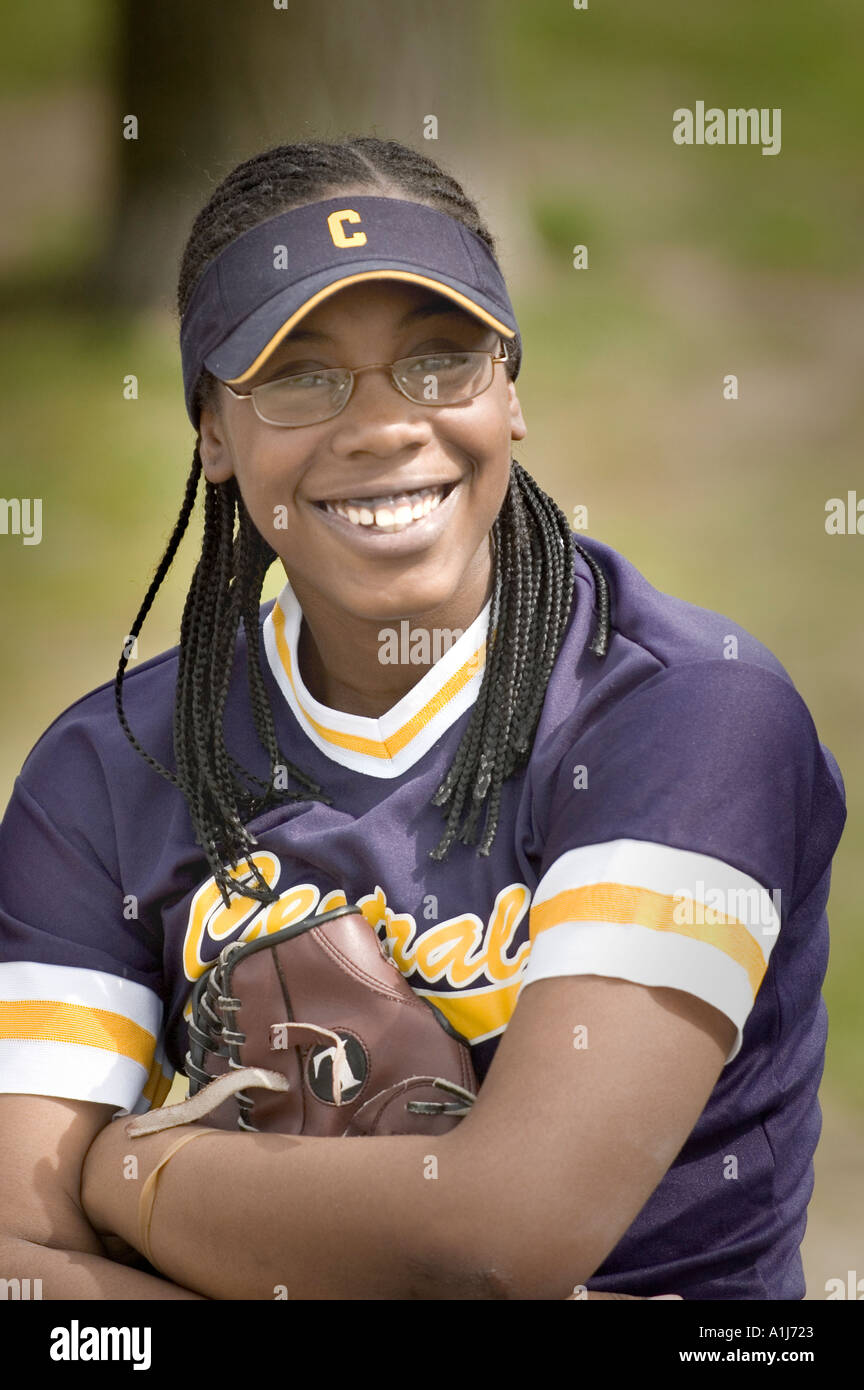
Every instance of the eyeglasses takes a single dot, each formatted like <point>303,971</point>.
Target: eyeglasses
<point>435,379</point>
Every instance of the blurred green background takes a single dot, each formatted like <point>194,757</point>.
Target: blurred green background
<point>703,261</point>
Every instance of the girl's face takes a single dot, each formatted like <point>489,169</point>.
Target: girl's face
<point>380,446</point>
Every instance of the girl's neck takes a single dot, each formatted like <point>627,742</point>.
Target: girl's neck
<point>346,663</point>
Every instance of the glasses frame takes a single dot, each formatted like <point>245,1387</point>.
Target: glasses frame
<point>501,355</point>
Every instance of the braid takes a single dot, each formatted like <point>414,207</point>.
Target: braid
<point>532,588</point>
<point>225,587</point>
<point>534,575</point>
<point>162,570</point>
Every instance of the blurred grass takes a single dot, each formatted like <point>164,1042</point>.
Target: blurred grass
<point>597,89</point>
<point>800,56</point>
<point>65,42</point>
<point>111,474</point>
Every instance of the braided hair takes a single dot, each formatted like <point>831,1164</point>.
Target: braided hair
<point>532,543</point>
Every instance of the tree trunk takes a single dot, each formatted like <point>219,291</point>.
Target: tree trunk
<point>213,81</point>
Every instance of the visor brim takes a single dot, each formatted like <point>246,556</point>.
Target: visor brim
<point>245,351</point>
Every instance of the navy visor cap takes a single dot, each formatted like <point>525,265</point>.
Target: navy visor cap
<point>251,295</point>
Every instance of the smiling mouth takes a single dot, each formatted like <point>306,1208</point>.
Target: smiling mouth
<point>394,511</point>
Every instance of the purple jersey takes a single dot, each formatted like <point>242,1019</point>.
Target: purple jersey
<point>675,826</point>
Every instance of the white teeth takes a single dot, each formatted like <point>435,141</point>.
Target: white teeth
<point>391,513</point>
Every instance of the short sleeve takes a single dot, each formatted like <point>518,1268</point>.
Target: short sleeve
<point>80,979</point>
<point>679,834</point>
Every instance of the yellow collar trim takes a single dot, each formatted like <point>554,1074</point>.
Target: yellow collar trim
<point>458,673</point>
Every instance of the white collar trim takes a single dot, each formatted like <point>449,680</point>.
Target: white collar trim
<point>387,746</point>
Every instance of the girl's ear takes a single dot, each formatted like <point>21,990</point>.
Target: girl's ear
<point>213,446</point>
<point>518,428</point>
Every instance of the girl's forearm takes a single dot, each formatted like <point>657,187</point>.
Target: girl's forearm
<point>80,1275</point>
<point>269,1216</point>
<point>264,1216</point>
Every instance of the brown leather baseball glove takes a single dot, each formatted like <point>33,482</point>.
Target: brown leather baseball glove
<point>320,1021</point>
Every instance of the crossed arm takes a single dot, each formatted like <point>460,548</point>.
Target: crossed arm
<point>523,1200</point>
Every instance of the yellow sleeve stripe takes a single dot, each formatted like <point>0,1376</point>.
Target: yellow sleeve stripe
<point>397,741</point>
<point>643,907</point>
<point>157,1086</point>
<point>44,1020</point>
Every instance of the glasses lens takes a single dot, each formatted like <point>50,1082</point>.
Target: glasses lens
<point>302,399</point>
<point>444,378</point>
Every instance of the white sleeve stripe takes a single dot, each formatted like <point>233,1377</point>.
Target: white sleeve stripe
<point>73,1071</point>
<point>644,957</point>
<point>677,874</point>
<point>70,984</point>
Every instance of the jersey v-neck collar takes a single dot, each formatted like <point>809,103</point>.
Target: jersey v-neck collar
<point>389,745</point>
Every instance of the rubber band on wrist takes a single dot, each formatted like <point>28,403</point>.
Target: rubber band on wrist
<point>148,1192</point>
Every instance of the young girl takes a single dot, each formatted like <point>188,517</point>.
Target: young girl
<point>592,823</point>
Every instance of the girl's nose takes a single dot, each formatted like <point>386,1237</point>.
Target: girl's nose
<point>378,418</point>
